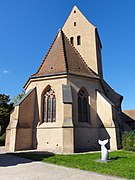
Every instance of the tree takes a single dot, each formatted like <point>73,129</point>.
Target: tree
<point>17,98</point>
<point>5,109</point>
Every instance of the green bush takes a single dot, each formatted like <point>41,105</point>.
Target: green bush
<point>2,139</point>
<point>128,141</point>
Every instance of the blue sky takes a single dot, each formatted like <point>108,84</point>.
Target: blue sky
<point>28,27</point>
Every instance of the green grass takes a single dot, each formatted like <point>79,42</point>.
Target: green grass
<point>122,164</point>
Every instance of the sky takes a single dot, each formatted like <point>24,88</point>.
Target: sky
<point>28,27</point>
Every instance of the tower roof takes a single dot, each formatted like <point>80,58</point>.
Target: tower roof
<point>63,58</point>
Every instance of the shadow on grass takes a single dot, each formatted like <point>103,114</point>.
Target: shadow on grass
<point>118,157</point>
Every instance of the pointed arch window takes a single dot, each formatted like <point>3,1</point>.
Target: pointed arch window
<point>78,40</point>
<point>82,106</point>
<point>72,40</point>
<point>49,106</point>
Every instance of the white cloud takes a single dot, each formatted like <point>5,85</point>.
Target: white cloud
<point>5,72</point>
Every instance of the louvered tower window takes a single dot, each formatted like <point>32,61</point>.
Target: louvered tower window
<point>72,40</point>
<point>78,40</point>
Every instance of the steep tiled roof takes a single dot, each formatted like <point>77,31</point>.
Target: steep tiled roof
<point>62,57</point>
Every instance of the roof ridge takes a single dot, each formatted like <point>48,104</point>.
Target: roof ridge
<point>47,53</point>
<point>64,51</point>
<point>80,55</point>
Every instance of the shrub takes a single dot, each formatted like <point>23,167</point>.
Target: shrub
<point>2,139</point>
<point>128,141</point>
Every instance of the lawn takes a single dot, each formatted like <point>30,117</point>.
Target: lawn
<point>122,164</point>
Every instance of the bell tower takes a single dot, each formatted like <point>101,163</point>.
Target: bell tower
<point>84,37</point>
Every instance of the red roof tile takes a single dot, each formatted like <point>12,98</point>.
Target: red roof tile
<point>62,57</point>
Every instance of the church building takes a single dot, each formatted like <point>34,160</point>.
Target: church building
<point>68,106</point>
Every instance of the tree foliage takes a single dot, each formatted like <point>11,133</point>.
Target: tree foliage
<point>128,141</point>
<point>17,98</point>
<point>5,109</point>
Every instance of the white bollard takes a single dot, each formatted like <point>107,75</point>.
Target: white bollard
<point>104,150</point>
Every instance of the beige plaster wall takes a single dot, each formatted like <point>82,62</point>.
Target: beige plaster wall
<point>11,130</point>
<point>24,136</point>
<point>68,140</point>
<point>107,128</point>
<point>104,111</point>
<point>86,30</point>
<point>68,118</point>
<point>109,133</point>
<point>18,138</point>
<point>86,139</point>
<point>14,117</point>
<point>12,140</point>
<point>57,140</point>
<point>90,85</point>
<point>27,110</point>
<point>7,141</point>
<point>85,133</point>
<point>56,84</point>
<point>23,139</point>
<point>50,139</point>
<point>51,136</point>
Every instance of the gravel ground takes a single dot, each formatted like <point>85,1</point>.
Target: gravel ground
<point>16,168</point>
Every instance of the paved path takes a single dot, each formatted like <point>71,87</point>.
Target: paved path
<point>16,168</point>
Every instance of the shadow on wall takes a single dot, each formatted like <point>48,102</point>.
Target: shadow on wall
<point>27,123</point>
<point>35,123</point>
<point>102,132</point>
<point>117,119</point>
<point>128,122</point>
<point>86,135</point>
